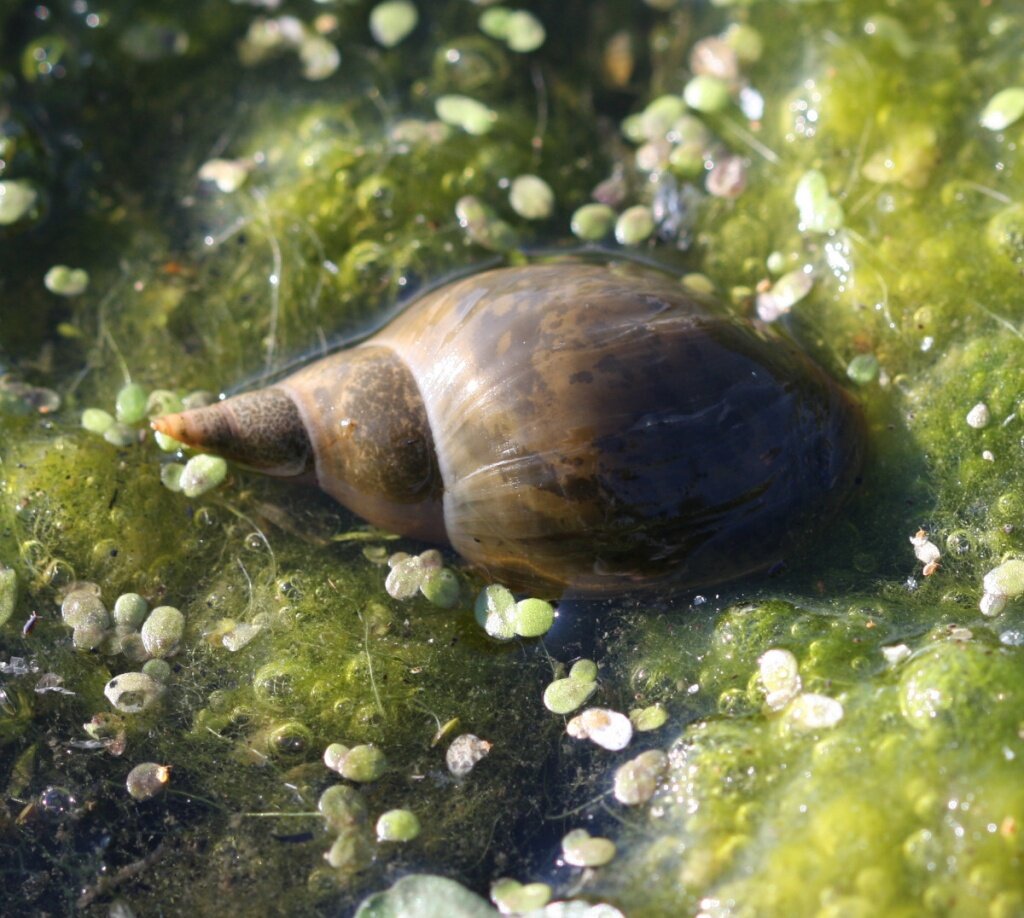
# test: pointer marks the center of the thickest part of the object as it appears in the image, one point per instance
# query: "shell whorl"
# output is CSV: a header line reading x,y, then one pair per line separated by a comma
x,y
262,430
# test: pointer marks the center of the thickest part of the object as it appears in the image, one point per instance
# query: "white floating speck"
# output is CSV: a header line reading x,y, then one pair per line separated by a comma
x,y
814,712
778,671
1001,584
897,653
978,416
608,729
925,551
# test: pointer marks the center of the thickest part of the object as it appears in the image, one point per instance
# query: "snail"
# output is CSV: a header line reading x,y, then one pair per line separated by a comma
x,y
576,428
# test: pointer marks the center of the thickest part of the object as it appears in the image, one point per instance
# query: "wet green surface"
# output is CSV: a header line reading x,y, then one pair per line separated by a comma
x,y
346,191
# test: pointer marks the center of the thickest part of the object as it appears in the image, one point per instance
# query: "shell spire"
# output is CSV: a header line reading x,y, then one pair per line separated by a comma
x,y
262,430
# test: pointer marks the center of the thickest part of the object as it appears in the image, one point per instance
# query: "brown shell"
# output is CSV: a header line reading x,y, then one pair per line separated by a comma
x,y
581,427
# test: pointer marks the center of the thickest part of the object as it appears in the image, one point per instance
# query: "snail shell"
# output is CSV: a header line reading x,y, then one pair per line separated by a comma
x,y
575,427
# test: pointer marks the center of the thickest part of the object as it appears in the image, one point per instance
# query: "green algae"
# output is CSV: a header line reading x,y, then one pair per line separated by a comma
x,y
349,202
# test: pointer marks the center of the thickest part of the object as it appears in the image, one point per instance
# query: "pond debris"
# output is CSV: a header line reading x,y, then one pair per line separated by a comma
x,y
778,672
779,675
896,654
637,780
148,780
1001,584
926,551
979,416
107,731
483,226
727,178
18,666
21,398
227,175
775,300
607,729
810,712
132,693
51,682
464,753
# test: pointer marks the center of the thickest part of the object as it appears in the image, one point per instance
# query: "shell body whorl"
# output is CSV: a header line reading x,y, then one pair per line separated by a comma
x,y
584,428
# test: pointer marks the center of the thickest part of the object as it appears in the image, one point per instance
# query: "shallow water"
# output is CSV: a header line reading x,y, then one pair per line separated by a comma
x,y
351,196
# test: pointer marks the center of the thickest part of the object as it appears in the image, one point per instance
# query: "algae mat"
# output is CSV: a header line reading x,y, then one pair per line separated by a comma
x,y
214,691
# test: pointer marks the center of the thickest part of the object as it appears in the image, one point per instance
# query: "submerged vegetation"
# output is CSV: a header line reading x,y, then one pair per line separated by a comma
x,y
212,684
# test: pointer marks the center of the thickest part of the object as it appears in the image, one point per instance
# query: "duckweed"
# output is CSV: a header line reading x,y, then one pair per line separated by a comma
x,y
706,94
131,404
18,197
531,197
8,593
202,474
634,225
533,617
653,717
513,897
96,420
393,21
463,112
162,631
495,610
819,211
592,222
120,434
130,610
1003,109
65,281
566,695
363,764
397,826
580,849
158,669
346,206
863,369
425,896
343,808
